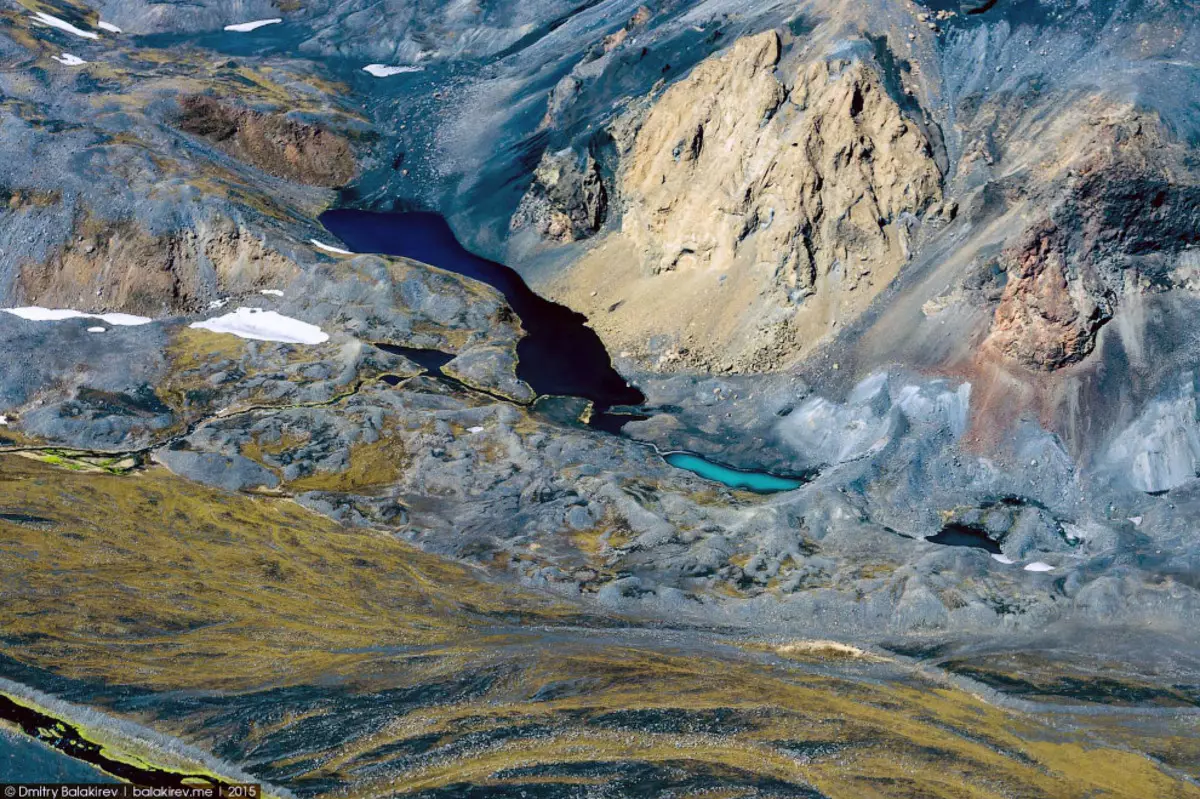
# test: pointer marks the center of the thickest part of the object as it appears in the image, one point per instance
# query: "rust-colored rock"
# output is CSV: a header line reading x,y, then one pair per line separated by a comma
x,y
1120,223
271,142
1050,313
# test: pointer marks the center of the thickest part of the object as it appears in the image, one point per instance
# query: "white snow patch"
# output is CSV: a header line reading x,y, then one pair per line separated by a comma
x,y
68,59
108,26
474,429
1137,520
36,314
97,329
329,247
1005,559
3,420
63,25
218,303
260,325
246,27
1038,566
386,71
271,292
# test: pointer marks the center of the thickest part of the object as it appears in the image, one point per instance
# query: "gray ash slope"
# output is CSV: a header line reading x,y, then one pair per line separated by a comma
x,y
1028,372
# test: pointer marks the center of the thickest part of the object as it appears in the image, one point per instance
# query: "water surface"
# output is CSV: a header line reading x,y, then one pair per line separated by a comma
x,y
559,354
759,482
964,535
70,742
427,359
24,759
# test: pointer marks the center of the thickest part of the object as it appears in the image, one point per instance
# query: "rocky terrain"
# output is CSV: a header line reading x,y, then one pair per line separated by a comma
x,y
776,209
276,506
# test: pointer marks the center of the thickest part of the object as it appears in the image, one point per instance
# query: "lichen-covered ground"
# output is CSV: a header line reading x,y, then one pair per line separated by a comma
x,y
941,259
321,659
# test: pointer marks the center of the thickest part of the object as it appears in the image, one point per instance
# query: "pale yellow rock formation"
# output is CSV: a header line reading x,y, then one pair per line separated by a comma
x,y
797,195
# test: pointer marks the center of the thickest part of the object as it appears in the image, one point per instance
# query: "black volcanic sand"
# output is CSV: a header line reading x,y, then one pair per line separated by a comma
x,y
559,354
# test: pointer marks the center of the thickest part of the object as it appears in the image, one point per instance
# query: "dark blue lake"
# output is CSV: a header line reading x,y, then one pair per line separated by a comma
x,y
559,353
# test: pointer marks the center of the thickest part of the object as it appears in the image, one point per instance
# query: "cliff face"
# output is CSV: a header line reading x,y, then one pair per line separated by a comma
x,y
796,189
806,183
1127,210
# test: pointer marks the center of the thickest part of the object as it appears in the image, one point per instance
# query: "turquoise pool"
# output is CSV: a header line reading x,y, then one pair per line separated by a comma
x,y
759,482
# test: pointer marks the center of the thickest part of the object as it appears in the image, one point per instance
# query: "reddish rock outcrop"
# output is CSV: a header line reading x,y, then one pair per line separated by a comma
x,y
1119,224
1050,312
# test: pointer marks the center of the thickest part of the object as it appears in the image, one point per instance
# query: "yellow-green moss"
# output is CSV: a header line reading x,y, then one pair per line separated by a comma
x,y
198,588
151,580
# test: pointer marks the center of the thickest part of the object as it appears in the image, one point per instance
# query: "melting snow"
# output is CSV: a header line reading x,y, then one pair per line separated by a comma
x,y
97,329
1005,559
36,314
474,429
271,292
330,247
246,27
260,325
107,26
386,71
68,59
1038,566
63,25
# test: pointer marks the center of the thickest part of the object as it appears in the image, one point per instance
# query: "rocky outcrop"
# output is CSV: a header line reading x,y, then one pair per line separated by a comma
x,y
123,267
1050,313
1121,224
272,142
762,207
567,200
491,369
806,183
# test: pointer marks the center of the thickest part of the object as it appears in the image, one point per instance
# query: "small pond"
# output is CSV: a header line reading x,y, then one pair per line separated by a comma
x,y
963,535
758,482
